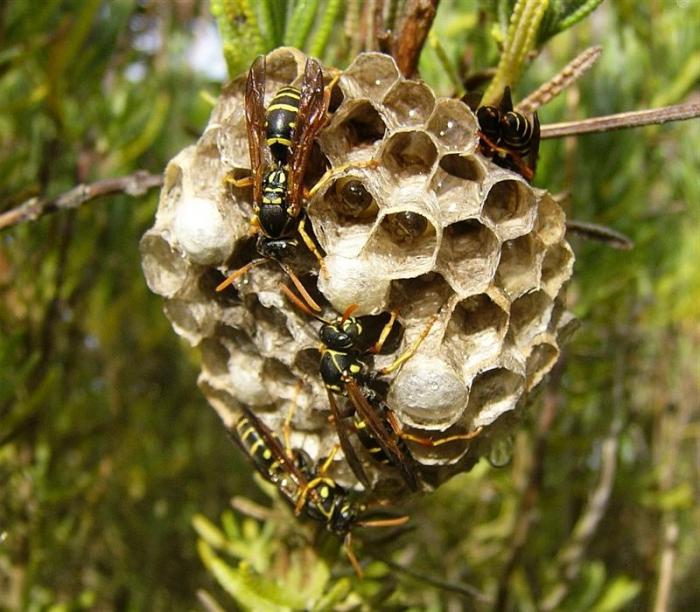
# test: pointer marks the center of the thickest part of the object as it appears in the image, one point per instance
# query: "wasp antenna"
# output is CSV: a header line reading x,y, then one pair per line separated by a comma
x,y
348,311
310,302
231,278
347,546
392,522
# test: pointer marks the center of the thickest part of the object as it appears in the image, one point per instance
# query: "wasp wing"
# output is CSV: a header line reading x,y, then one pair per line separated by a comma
x,y
506,104
534,144
378,430
255,121
313,105
348,449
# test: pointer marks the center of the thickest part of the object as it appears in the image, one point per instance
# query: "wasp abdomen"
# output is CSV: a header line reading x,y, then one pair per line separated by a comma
x,y
281,121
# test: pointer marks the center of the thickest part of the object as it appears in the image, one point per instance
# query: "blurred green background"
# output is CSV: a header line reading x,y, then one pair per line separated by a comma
x,y
107,449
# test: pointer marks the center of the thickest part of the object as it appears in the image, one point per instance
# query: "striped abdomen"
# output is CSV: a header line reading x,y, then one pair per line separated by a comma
x,y
516,133
281,121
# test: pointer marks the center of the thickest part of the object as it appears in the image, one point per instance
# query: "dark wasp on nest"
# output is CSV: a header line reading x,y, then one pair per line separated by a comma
x,y
345,372
508,137
305,486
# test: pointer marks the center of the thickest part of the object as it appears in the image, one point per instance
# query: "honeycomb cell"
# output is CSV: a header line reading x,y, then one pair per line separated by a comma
x,y
283,66
468,256
232,140
540,361
190,319
354,133
370,75
167,272
408,154
454,126
493,393
410,103
529,316
551,221
214,357
428,393
519,269
203,232
475,333
457,183
510,205
556,268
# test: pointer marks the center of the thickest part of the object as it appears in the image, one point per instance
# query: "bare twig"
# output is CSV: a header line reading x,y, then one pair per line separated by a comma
x,y
601,233
571,555
417,18
134,185
573,71
465,590
527,510
621,121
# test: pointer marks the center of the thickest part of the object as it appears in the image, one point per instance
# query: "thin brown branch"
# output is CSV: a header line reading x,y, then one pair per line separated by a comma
x,y
133,184
621,121
416,22
527,511
573,71
601,233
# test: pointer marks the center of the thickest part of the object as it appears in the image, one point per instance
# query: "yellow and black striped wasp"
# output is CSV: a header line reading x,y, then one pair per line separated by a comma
x,y
345,371
308,489
508,137
287,128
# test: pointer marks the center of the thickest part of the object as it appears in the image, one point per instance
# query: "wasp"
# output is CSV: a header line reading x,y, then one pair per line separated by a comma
x,y
287,128
308,489
344,370
508,137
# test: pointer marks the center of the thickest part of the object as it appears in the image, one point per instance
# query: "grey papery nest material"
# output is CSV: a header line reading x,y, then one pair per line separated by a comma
x,y
490,264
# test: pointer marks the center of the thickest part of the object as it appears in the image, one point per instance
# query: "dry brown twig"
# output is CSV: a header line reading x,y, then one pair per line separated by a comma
x,y
621,121
133,185
573,71
417,19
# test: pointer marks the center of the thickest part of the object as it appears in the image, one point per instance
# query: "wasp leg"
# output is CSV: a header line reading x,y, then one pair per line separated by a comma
x,y
428,442
246,181
314,482
386,330
410,351
311,245
332,172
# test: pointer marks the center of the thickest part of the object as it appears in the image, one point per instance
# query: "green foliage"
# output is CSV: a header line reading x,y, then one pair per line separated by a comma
x,y
108,454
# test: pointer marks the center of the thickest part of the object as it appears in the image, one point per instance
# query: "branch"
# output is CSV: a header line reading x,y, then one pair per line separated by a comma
x,y
133,184
620,121
601,233
568,75
415,25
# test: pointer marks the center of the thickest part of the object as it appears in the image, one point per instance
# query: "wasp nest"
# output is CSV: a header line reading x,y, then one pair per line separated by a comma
x,y
411,219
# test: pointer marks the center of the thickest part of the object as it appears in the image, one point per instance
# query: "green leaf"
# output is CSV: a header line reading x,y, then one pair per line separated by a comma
x,y
618,595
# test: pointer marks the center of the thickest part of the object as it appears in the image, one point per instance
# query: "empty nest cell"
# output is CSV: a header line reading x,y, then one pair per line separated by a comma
x,y
371,75
519,268
408,153
454,126
529,316
468,256
493,393
410,103
510,206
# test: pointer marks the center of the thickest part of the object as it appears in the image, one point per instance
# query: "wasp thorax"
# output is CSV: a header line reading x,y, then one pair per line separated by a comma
x,y
413,216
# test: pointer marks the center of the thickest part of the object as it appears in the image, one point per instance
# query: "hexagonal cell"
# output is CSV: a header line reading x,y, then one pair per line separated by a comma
x,y
457,183
283,66
232,140
468,256
557,266
191,320
167,272
354,132
344,214
519,269
445,452
410,103
454,126
214,357
408,154
493,393
510,205
540,361
417,299
371,75
529,316
551,221
475,333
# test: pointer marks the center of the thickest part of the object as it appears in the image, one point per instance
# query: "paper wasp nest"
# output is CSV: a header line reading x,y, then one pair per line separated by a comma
x,y
490,259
